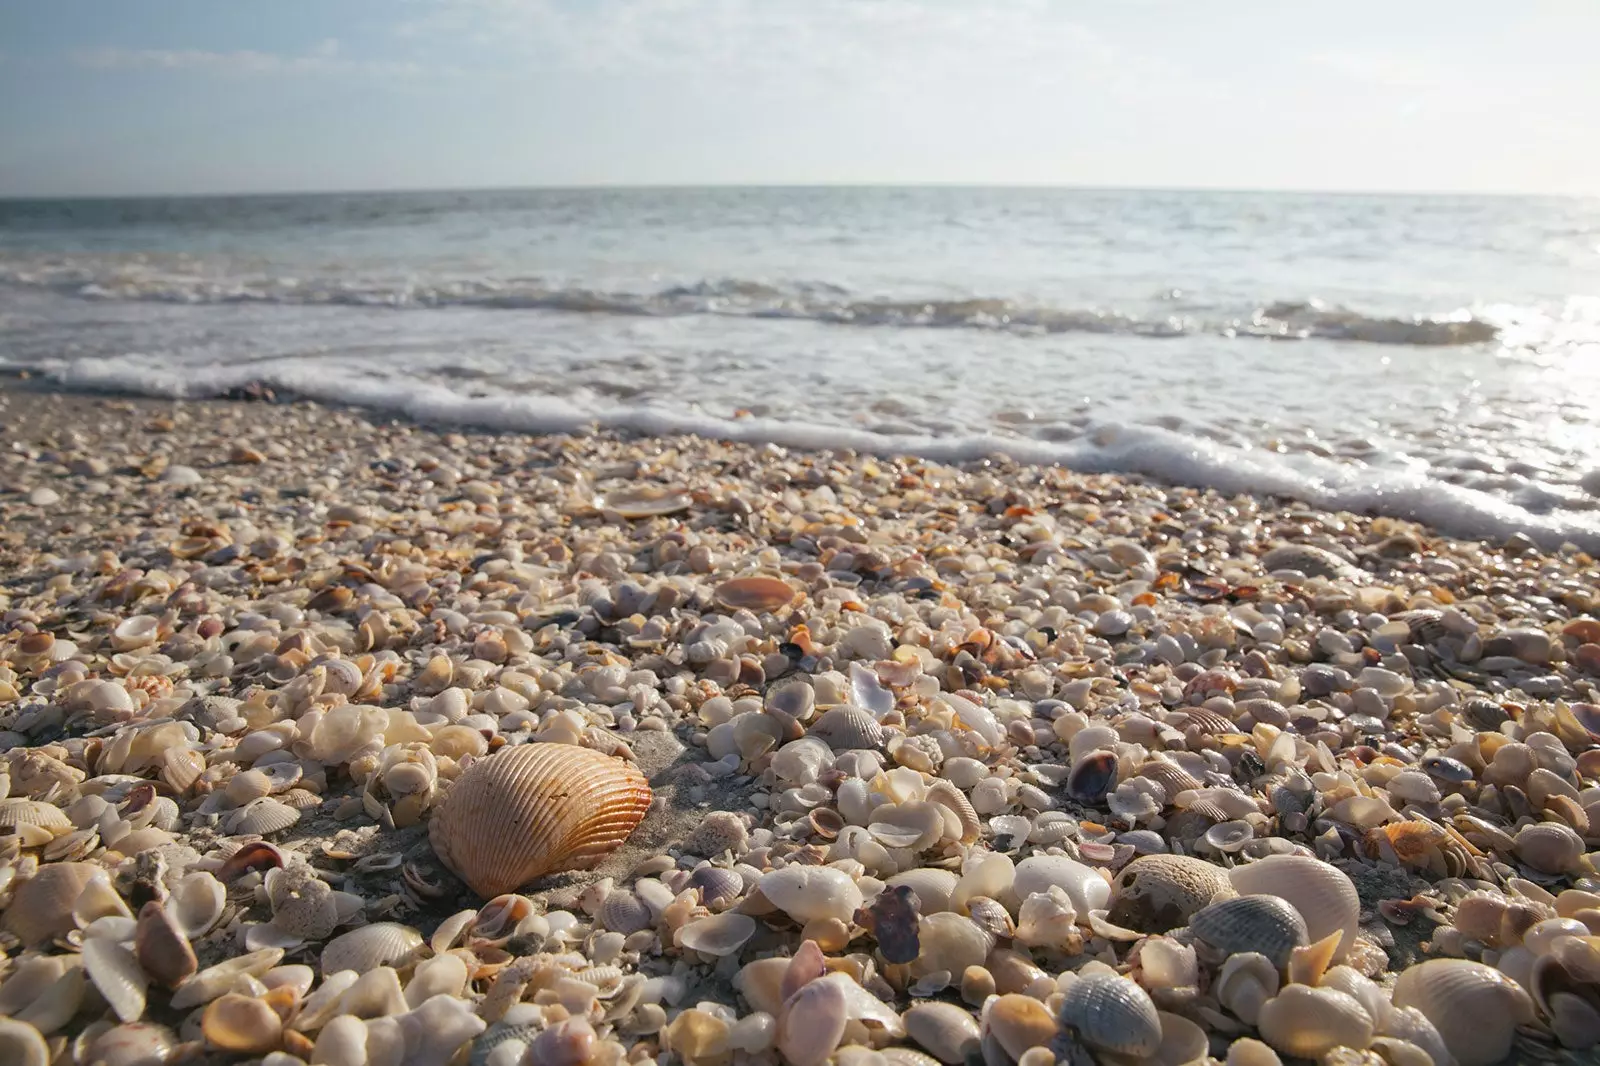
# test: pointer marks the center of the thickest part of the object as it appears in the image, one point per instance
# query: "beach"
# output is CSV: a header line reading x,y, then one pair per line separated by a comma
x,y
993,710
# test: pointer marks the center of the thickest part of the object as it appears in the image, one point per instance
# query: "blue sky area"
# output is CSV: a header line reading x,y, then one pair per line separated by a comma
x,y
170,96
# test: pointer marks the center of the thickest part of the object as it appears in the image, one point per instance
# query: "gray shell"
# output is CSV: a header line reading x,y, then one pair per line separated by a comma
x,y
1264,924
716,883
847,728
1112,1013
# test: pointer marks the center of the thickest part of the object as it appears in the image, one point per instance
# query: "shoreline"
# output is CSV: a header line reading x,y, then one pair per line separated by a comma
x,y
265,540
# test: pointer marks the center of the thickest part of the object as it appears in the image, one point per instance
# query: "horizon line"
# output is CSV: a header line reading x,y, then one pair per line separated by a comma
x,y
602,186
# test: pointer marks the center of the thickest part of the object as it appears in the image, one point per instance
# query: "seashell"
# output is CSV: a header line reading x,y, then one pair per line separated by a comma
x,y
1324,895
1476,1009
846,728
1264,924
1310,1022
811,893
625,913
97,899
370,946
720,934
533,810
1308,560
1549,847
15,813
1247,1051
760,595
1092,776
1229,837
243,1024
439,1027
934,888
1155,893
41,906
949,944
812,1023
196,903
947,1032
131,1044
952,798
717,885
1244,985
21,1044
645,501
213,981
1018,1023
161,947
1111,1013
1083,885
441,975
116,976
135,632
262,817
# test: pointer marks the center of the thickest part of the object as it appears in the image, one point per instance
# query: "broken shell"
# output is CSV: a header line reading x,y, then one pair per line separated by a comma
x,y
721,934
1112,1013
1475,1008
213,981
1244,985
370,946
757,594
1309,1022
1265,924
196,902
1323,894
1155,893
533,810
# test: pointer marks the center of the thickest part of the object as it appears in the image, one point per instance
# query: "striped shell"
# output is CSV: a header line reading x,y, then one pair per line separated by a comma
x,y
847,728
262,817
370,946
533,810
1264,924
1323,894
15,812
1476,1009
41,906
1113,1014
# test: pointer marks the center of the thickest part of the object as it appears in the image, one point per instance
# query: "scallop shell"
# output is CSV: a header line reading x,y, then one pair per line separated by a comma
x,y
371,946
1324,895
758,594
21,812
41,906
716,884
1112,1013
846,728
262,817
1264,924
947,1031
117,976
1309,1022
533,810
623,912
949,796
1475,1008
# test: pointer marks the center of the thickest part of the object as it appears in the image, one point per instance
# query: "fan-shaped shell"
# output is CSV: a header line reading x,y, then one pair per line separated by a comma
x,y
1549,847
624,912
533,810
845,728
261,817
755,593
1113,1014
371,946
17,812
1264,924
1475,1008
41,906
1324,895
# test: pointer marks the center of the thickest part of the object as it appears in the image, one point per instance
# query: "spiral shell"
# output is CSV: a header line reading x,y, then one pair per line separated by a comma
x,y
1475,1008
533,810
1113,1014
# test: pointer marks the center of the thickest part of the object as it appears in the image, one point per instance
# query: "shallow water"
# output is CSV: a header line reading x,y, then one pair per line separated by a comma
x,y
1432,357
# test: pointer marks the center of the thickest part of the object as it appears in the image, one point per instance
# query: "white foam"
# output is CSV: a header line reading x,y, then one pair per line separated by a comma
x,y
1158,453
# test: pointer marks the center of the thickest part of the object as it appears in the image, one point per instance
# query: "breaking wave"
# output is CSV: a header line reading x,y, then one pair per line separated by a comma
x,y
818,302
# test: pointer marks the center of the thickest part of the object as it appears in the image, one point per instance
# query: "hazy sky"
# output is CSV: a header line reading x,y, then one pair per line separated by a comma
x,y
134,96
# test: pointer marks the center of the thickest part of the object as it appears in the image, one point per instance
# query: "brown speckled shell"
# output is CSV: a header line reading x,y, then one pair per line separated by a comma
x,y
536,809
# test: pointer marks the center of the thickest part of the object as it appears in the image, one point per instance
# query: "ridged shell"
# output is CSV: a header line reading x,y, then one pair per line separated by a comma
x,y
533,810
1264,924
1112,1013
623,912
947,795
1324,895
846,728
1475,1008
41,907
758,594
716,884
371,946
1548,847
262,817
15,812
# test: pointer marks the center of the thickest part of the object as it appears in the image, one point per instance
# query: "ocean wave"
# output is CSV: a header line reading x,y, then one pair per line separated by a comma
x,y
1105,447
747,298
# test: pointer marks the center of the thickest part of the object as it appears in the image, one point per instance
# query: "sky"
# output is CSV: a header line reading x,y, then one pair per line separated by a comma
x,y
115,97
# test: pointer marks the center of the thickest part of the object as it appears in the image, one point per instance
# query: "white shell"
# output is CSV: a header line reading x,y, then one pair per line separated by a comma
x,y
807,893
721,934
1309,1022
371,946
1324,895
1083,884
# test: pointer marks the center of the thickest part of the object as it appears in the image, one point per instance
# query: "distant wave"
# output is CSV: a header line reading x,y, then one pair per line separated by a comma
x,y
818,302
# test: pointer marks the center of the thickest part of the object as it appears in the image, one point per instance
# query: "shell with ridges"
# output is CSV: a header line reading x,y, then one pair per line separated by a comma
x,y
370,946
1475,1008
1324,895
533,810
41,906
846,728
1265,924
1112,1013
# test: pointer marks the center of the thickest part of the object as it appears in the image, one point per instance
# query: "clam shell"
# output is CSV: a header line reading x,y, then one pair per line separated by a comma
x,y
117,976
1549,847
262,817
1019,1022
1476,1009
133,1044
624,912
846,728
1324,895
757,594
721,934
533,810
161,947
1264,924
947,1032
213,981
21,812
21,1044
371,946
1156,893
1112,1013
1309,1022
41,906
812,1024
716,884
241,1023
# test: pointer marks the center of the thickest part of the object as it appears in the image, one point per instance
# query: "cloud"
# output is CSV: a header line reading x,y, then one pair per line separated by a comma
x,y
325,57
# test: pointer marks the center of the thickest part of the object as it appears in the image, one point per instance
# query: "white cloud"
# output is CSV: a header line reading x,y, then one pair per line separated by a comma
x,y
323,58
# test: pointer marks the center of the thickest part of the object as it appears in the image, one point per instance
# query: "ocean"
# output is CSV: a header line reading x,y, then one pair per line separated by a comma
x,y
1435,358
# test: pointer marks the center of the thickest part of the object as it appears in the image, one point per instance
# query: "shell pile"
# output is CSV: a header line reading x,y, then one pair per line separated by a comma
x,y
325,741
